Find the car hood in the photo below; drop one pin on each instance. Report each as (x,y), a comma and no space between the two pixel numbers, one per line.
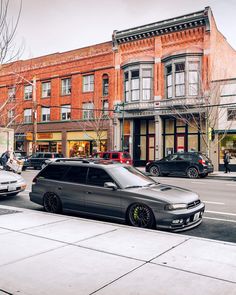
(168,193)
(9,176)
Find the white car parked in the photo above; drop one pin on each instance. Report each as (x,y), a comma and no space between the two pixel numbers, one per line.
(11,183)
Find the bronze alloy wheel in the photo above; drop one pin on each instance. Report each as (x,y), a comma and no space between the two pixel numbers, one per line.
(192,172)
(52,203)
(154,170)
(140,215)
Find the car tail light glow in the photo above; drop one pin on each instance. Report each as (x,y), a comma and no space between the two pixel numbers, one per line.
(202,162)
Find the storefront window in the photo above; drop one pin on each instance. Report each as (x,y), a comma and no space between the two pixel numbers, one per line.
(143,148)
(192,143)
(169,126)
(228,143)
(143,128)
(169,145)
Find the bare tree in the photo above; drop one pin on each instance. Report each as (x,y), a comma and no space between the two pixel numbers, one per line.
(96,118)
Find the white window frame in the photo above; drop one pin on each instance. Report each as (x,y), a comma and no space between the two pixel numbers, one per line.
(46,89)
(66,86)
(45,114)
(27,115)
(28,92)
(88,110)
(66,112)
(88,83)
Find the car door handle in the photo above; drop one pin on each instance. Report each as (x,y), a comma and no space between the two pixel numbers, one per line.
(59,188)
(89,193)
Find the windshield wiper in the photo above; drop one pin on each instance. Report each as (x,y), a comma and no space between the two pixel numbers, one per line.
(149,184)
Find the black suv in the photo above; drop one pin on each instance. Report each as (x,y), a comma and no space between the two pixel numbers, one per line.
(191,164)
(37,160)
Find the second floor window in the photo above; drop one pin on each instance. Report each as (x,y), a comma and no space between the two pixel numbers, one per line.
(88,83)
(28,92)
(88,111)
(12,93)
(105,85)
(65,112)
(231,114)
(138,83)
(27,116)
(45,114)
(105,107)
(66,86)
(182,77)
(46,89)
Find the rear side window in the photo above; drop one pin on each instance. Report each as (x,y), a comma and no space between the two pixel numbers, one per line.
(48,156)
(39,155)
(58,155)
(76,174)
(115,156)
(54,172)
(98,177)
(106,156)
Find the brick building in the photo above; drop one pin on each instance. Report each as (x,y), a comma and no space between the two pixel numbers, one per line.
(158,75)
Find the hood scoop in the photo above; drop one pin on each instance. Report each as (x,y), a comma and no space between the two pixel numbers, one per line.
(166,188)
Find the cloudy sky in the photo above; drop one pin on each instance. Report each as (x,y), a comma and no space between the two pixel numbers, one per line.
(60,25)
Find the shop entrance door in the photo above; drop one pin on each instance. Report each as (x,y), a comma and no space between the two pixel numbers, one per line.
(180,143)
(151,148)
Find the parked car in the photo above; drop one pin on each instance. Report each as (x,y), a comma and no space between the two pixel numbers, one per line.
(115,191)
(116,156)
(38,159)
(11,183)
(190,164)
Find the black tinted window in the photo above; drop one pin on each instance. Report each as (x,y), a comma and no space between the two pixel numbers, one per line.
(115,156)
(98,177)
(76,174)
(48,156)
(106,156)
(58,156)
(53,172)
(126,156)
(39,155)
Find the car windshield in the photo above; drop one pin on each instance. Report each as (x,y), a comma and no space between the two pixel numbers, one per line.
(129,177)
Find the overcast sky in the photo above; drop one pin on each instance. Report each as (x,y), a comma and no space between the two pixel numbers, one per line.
(49,26)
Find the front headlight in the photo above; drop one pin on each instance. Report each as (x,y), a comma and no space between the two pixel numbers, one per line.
(175,206)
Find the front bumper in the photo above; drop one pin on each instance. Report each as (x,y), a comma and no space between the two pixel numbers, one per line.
(180,220)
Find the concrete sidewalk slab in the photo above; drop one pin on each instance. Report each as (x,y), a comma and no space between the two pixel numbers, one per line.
(42,253)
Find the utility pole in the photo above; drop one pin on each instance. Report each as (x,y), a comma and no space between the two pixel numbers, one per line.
(34,115)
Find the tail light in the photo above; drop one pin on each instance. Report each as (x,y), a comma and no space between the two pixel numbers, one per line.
(202,162)
(34,180)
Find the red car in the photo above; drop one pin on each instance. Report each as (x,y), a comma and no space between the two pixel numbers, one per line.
(121,157)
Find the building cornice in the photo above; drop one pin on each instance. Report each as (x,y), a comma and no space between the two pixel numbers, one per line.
(188,21)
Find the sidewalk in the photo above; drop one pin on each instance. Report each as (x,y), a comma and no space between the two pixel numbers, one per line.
(44,253)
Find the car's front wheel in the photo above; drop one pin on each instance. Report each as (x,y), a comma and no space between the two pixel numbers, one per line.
(140,215)
(192,173)
(52,203)
(155,171)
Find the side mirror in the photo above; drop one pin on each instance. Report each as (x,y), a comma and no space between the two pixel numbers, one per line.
(111,185)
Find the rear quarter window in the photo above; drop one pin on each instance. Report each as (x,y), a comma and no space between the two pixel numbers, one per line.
(126,156)
(115,156)
(76,174)
(54,172)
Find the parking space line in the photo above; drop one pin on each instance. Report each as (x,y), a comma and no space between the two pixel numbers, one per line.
(220,219)
(221,213)
(215,203)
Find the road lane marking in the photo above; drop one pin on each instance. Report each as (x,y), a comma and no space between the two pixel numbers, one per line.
(220,219)
(221,213)
(215,203)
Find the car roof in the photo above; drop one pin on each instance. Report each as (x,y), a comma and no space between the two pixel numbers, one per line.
(88,163)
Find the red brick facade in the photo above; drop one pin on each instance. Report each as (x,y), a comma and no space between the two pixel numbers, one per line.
(149,47)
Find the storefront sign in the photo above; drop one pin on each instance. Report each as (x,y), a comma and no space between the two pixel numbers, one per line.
(45,135)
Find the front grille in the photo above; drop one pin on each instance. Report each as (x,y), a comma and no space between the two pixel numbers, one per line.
(193,204)
(8,182)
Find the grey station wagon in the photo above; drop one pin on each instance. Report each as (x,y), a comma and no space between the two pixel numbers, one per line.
(115,191)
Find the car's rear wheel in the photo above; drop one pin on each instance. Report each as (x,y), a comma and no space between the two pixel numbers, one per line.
(140,215)
(155,171)
(52,203)
(192,173)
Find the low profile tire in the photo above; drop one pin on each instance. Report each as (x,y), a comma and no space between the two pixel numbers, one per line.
(140,215)
(155,171)
(52,203)
(192,173)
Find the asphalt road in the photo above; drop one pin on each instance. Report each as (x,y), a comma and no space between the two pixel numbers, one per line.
(219,220)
